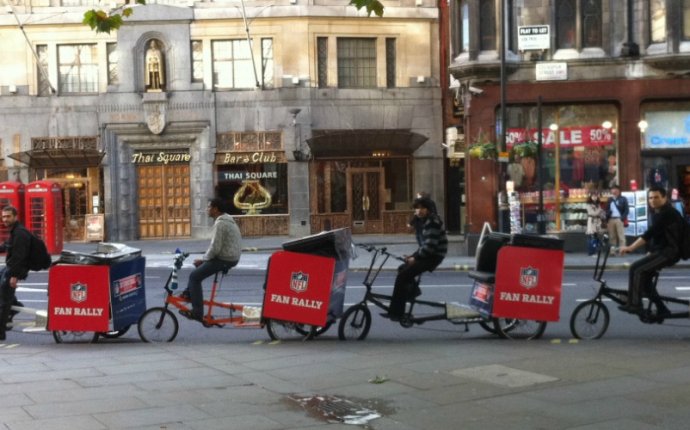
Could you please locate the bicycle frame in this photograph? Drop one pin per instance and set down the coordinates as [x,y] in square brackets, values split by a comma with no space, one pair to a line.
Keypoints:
[210,304]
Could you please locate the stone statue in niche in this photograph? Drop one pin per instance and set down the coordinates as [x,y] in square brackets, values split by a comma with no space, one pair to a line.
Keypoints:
[155,68]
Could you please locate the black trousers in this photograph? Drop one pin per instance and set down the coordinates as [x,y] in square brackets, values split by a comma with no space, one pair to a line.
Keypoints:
[404,283]
[641,273]
[7,299]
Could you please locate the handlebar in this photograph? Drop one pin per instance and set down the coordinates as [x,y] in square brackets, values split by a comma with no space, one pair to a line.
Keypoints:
[378,250]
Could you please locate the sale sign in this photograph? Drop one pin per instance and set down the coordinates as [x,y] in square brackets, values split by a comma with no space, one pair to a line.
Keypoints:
[78,298]
[528,283]
[298,288]
[589,135]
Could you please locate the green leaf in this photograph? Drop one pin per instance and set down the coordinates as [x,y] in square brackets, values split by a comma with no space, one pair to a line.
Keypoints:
[141,1]
[127,12]
[374,6]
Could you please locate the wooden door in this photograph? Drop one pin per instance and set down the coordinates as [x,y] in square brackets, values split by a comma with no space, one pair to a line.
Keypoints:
[365,199]
[164,201]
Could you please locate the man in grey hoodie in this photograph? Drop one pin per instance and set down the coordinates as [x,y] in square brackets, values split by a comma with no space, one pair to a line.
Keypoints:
[223,253]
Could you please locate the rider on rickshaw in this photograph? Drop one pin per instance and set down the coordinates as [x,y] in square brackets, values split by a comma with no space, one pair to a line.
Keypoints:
[664,237]
[430,254]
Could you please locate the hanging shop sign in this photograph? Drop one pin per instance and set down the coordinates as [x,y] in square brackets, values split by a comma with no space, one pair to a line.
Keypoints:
[667,130]
[257,157]
[586,135]
[161,157]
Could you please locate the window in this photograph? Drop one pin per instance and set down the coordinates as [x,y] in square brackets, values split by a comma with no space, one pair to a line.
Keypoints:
[390,63]
[42,70]
[267,62]
[686,20]
[197,61]
[356,62]
[465,26]
[578,24]
[322,60]
[77,69]
[565,24]
[232,64]
[113,77]
[591,23]
[657,21]
[487,25]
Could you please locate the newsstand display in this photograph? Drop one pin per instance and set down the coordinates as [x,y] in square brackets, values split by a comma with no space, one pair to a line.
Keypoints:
[98,293]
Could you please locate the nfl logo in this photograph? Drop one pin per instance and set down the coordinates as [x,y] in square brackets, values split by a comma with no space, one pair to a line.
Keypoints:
[529,277]
[78,292]
[299,282]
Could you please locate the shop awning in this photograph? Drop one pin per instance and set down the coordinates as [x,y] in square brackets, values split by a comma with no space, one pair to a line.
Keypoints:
[364,143]
[57,158]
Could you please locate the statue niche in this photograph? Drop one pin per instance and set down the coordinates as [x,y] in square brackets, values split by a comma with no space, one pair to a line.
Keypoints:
[155,68]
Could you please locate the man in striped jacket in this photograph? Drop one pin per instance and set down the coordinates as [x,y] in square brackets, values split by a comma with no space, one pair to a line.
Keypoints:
[430,254]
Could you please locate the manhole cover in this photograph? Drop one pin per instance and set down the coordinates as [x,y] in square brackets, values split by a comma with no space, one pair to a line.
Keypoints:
[335,409]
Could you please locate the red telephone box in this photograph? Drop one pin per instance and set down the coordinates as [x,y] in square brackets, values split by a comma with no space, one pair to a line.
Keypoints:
[43,213]
[11,194]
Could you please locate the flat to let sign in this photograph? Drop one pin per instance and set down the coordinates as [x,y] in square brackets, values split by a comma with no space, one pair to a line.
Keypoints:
[533,37]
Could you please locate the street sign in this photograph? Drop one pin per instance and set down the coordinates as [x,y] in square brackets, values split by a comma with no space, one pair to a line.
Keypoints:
[533,37]
[548,71]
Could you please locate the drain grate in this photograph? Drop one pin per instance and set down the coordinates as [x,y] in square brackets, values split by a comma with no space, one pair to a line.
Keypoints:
[335,409]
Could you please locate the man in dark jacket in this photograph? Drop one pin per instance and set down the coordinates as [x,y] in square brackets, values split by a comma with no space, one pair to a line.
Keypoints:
[663,237]
[430,254]
[16,263]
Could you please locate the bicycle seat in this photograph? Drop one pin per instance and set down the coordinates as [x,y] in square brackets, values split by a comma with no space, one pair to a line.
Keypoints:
[484,277]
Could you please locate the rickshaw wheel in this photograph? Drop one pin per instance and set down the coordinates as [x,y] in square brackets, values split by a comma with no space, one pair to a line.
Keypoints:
[355,323]
[589,320]
[286,330]
[158,325]
[62,336]
[114,334]
[318,331]
[487,326]
[511,328]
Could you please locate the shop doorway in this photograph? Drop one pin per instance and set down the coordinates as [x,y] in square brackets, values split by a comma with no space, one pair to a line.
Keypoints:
[164,201]
[366,199]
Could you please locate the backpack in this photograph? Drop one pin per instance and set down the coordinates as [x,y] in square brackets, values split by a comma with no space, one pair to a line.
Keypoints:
[39,258]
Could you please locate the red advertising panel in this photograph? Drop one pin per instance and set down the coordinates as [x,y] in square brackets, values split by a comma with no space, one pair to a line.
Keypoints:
[78,298]
[528,283]
[298,288]
[592,135]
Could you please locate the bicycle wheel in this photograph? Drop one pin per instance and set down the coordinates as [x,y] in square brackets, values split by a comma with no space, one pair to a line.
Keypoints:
[62,336]
[355,323]
[486,325]
[286,330]
[158,325]
[114,334]
[589,320]
[318,331]
[511,328]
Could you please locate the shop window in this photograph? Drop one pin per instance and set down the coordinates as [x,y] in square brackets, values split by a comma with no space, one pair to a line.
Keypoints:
[356,62]
[657,21]
[254,189]
[332,186]
[578,157]
[197,61]
[487,25]
[113,57]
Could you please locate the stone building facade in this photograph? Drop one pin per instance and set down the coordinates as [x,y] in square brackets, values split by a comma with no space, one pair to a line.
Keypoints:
[318,117]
